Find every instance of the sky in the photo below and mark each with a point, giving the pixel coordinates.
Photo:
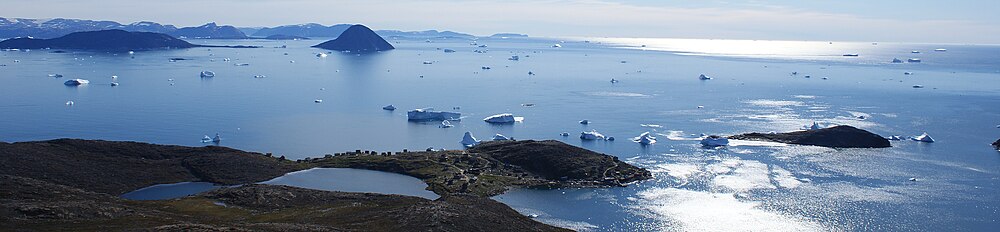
(928, 21)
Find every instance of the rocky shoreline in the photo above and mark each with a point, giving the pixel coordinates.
(74, 184)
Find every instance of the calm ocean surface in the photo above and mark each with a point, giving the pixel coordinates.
(757, 188)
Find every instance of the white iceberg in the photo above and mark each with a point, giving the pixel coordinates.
(923, 138)
(894, 138)
(206, 139)
(704, 77)
(446, 124)
(389, 107)
(645, 139)
(500, 137)
(557, 45)
(75, 82)
(428, 114)
(591, 135)
(321, 55)
(503, 118)
(318, 101)
(714, 141)
(815, 126)
(468, 140)
(940, 50)
(207, 74)
(564, 134)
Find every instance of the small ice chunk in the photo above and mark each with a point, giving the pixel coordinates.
(564, 134)
(318, 101)
(446, 124)
(69, 103)
(76, 82)
(321, 55)
(500, 137)
(584, 122)
(591, 135)
(206, 139)
(207, 74)
(894, 138)
(815, 126)
(645, 139)
(468, 140)
(714, 141)
(923, 138)
(704, 77)
(918, 86)
(389, 107)
(501, 118)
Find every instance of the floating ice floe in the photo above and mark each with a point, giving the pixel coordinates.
(913, 60)
(591, 135)
(207, 74)
(714, 141)
(69, 103)
(500, 137)
(923, 138)
(446, 124)
(894, 138)
(76, 82)
(557, 45)
(321, 55)
(851, 55)
(428, 114)
(584, 122)
(704, 77)
(468, 140)
(651, 125)
(915, 52)
(389, 107)
(503, 118)
(645, 139)
(56, 75)
(940, 50)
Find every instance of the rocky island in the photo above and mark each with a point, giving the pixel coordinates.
(357, 38)
(835, 137)
(70, 184)
(997, 144)
(101, 40)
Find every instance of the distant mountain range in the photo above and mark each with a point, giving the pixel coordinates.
(52, 28)
(106, 40)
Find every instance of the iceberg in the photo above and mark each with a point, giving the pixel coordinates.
(468, 140)
(446, 124)
(501, 118)
(591, 135)
(940, 50)
(913, 60)
(714, 141)
(584, 122)
(896, 60)
(428, 114)
(217, 138)
(321, 55)
(514, 58)
(894, 138)
(815, 126)
(557, 45)
(564, 134)
(318, 101)
(56, 75)
(500, 137)
(76, 82)
(206, 139)
(645, 139)
(389, 107)
(207, 74)
(851, 55)
(923, 138)
(703, 77)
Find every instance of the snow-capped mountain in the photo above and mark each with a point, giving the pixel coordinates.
(52, 28)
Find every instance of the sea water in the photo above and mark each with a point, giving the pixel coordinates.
(762, 188)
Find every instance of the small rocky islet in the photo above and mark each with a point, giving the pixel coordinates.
(74, 184)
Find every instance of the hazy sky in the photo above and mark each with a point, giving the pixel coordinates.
(955, 21)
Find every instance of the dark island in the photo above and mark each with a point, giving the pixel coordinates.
(834, 137)
(997, 144)
(357, 38)
(209, 31)
(70, 184)
(101, 40)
